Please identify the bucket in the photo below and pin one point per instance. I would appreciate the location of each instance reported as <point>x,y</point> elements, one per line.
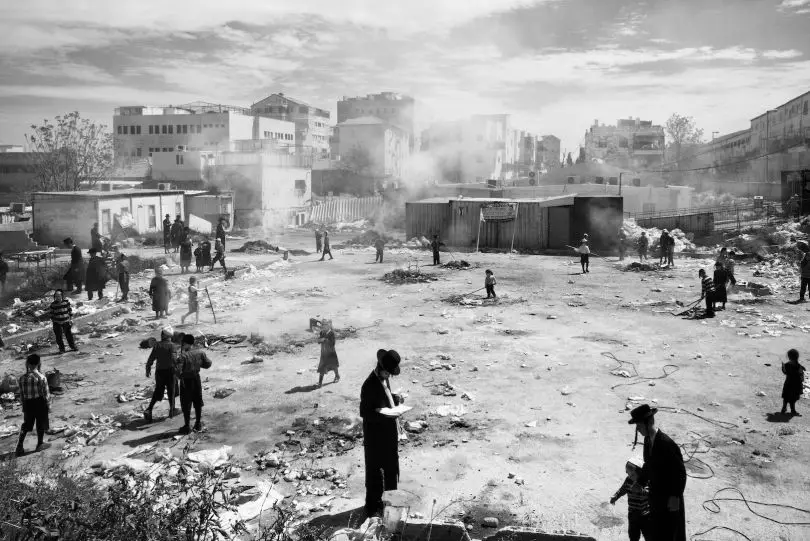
<point>397,505</point>
<point>55,381</point>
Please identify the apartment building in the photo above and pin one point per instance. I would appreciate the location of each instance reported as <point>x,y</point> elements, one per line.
<point>548,152</point>
<point>385,146</point>
<point>394,108</point>
<point>632,143</point>
<point>313,130</point>
<point>473,149</point>
<point>142,131</point>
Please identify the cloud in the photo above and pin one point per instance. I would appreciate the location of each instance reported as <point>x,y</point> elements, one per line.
<point>790,53</point>
<point>792,4</point>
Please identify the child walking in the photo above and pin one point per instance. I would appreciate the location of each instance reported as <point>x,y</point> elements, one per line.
<point>193,305</point>
<point>638,504</point>
<point>794,382</point>
<point>489,284</point>
<point>584,255</point>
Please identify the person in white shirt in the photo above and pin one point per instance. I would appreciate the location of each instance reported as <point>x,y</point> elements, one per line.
<point>584,255</point>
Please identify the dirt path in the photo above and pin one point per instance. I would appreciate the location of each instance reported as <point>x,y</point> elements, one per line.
<point>541,404</point>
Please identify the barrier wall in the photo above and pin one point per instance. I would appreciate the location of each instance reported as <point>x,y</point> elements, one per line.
<point>345,209</point>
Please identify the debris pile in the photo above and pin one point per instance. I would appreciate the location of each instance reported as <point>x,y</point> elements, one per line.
<point>254,246</point>
<point>407,276</point>
<point>458,265</point>
<point>635,266</point>
<point>781,270</point>
<point>93,431</point>
<point>683,241</point>
<point>368,238</point>
<point>418,242</point>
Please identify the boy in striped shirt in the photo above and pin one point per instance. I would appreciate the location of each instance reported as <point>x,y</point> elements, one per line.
<point>61,314</point>
<point>638,504</point>
<point>707,292</point>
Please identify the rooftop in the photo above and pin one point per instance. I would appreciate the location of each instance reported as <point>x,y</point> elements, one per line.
<point>560,199</point>
<point>96,194</point>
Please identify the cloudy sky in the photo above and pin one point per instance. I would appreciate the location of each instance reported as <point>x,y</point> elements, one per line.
<point>555,65</point>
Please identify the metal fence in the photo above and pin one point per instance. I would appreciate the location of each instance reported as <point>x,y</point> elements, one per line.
<point>709,219</point>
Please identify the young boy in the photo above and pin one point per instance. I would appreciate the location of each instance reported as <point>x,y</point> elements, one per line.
<point>638,505</point>
<point>584,255</point>
<point>643,244</point>
<point>489,283</point>
<point>123,277</point>
<point>707,292</point>
<point>35,398</point>
<point>187,367</point>
<point>193,305</point>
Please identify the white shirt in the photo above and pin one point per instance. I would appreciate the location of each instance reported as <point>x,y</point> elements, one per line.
<point>583,249</point>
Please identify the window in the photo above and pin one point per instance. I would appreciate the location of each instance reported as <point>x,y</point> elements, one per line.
<point>106,222</point>
<point>179,128</point>
<point>152,216</point>
<point>138,152</point>
<point>165,149</point>
<point>171,128</point>
<point>120,130</point>
<point>138,130</point>
<point>805,108</point>
<point>151,150</point>
<point>301,184</point>
<point>151,129</point>
<point>178,159</point>
<point>199,129</point>
<point>185,128</point>
<point>164,128</point>
<point>178,209</point>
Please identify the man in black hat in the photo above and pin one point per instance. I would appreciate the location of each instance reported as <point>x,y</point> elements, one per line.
<point>75,273</point>
<point>167,234</point>
<point>664,469</point>
<point>380,430</point>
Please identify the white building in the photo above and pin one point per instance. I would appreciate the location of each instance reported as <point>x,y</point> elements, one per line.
<point>141,131</point>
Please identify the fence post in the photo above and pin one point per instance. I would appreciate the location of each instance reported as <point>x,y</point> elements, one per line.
<point>738,216</point>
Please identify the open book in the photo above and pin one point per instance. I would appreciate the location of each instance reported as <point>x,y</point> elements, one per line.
<point>396,411</point>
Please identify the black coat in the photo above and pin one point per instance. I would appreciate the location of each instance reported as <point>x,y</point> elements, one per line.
<point>96,274</point>
<point>379,431</point>
<point>664,469</point>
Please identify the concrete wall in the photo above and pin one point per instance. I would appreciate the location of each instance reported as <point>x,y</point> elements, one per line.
<point>210,207</point>
<point>281,131</point>
<point>240,127</point>
<point>191,166</point>
<point>56,217</point>
<point>279,187</point>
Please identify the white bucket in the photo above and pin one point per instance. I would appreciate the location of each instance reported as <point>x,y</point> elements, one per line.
<point>394,518</point>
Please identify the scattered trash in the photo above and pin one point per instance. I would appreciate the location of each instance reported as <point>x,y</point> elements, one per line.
<point>223,393</point>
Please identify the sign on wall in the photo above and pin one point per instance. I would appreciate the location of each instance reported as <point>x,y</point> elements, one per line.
<point>499,212</point>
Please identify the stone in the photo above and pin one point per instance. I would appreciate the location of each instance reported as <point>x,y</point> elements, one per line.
<point>490,522</point>
<point>519,481</point>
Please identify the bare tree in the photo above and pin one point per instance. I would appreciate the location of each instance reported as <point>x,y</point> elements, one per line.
<point>682,131</point>
<point>70,151</point>
<point>358,161</point>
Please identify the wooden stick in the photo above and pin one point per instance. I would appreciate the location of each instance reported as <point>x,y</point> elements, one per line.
<point>211,303</point>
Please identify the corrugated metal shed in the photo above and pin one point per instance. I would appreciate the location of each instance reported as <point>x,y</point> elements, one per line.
<point>457,222</point>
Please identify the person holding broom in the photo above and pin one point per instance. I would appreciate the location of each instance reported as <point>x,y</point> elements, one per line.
<point>329,359</point>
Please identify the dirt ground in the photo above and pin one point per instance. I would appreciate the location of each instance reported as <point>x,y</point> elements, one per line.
<point>532,372</point>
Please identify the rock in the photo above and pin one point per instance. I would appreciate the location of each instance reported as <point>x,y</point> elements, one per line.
<point>519,481</point>
<point>531,424</point>
<point>490,522</point>
<point>510,475</point>
<point>415,427</point>
<point>551,317</point>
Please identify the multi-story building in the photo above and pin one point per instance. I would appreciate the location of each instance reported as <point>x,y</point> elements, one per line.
<point>18,177</point>
<point>141,131</point>
<point>731,147</point>
<point>526,154</point>
<point>378,148</point>
<point>396,109</point>
<point>313,130</point>
<point>548,152</point>
<point>473,149</point>
<point>632,143</point>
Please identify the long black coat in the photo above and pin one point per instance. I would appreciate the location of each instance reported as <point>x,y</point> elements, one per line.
<point>76,270</point>
<point>96,274</point>
<point>379,431</point>
<point>664,469</point>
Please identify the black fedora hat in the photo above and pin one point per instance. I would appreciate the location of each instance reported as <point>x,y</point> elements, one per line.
<point>641,414</point>
<point>389,361</point>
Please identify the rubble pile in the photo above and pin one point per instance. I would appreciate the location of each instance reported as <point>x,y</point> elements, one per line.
<point>93,431</point>
<point>368,238</point>
<point>256,246</point>
<point>457,265</point>
<point>407,276</point>
<point>418,242</point>
<point>781,270</point>
<point>293,345</point>
<point>635,266</point>
<point>683,241</point>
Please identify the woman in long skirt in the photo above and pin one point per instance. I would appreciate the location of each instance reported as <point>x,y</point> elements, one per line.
<point>794,382</point>
<point>720,280</point>
<point>329,358</point>
<point>159,291</point>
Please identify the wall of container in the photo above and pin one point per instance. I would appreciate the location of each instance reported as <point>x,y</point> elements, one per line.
<point>529,229</point>
<point>425,219</point>
<point>601,218</point>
